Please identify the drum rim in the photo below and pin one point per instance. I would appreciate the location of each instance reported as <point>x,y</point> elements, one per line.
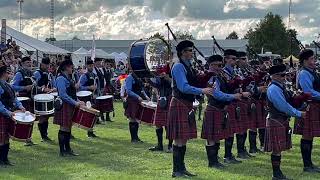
<point>109,97</point>
<point>90,110</point>
<point>89,94</point>
<point>23,98</point>
<point>145,104</point>
<point>42,100</point>
<point>20,122</point>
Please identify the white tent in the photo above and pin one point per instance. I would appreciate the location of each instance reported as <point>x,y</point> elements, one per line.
<point>101,54</point>
<point>79,56</point>
<point>120,57</point>
<point>31,44</point>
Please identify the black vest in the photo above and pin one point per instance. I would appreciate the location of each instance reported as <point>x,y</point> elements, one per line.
<point>100,77</point>
<point>107,76</point>
<point>90,79</point>
<point>137,86</point>
<point>223,88</point>
<point>165,89</point>
<point>191,78</point>
<point>8,97</point>
<point>44,80</point>
<point>71,90</point>
<point>26,76</point>
<point>316,82</point>
<point>273,112</point>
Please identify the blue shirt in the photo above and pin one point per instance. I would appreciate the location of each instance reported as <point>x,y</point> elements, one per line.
<point>229,70</point>
<point>62,85</point>
<point>221,96</point>
<point>83,81</point>
<point>305,80</point>
<point>3,110</point>
<point>276,96</point>
<point>179,75</point>
<point>128,84</point>
<point>16,82</point>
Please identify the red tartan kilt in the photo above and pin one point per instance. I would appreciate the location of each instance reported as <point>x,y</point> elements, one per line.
<point>178,124</point>
<point>133,111</point>
<point>108,89</point>
<point>161,115</point>
<point>277,137</point>
<point>309,127</point>
<point>212,127</point>
<point>261,114</point>
<point>247,117</point>
<point>64,116</point>
<point>4,129</point>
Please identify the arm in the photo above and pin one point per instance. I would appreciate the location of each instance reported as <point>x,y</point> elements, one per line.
<point>276,96</point>
<point>221,96</point>
<point>18,104</point>
<point>62,91</point>
<point>83,80</point>
<point>307,86</point>
<point>3,109</point>
<point>16,81</point>
<point>154,82</point>
<point>37,76</point>
<point>128,83</point>
<point>179,75</point>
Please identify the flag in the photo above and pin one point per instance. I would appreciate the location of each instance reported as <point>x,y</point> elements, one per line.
<point>93,49</point>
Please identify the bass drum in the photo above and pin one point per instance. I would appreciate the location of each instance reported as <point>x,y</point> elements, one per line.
<point>148,58</point>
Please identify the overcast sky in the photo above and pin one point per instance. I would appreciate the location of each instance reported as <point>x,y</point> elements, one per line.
<point>135,19</point>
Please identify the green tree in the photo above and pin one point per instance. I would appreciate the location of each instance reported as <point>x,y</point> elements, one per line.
<point>157,35</point>
<point>50,39</point>
<point>184,35</point>
<point>233,35</point>
<point>271,34</point>
<point>75,38</point>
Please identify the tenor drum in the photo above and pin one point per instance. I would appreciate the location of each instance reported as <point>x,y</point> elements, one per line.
<point>25,102</point>
<point>149,57</point>
<point>147,112</point>
<point>85,118</point>
<point>84,96</point>
<point>20,129</point>
<point>43,104</point>
<point>104,103</point>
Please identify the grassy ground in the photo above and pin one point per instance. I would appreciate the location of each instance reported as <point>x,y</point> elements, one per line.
<point>112,156</point>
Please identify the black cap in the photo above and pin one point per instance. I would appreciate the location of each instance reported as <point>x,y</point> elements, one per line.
<point>242,54</point>
<point>89,62</point>
<point>97,59</point>
<point>277,69</point>
<point>45,60</point>
<point>65,63</point>
<point>24,59</point>
<point>305,54</point>
<point>214,58</point>
<point>230,52</point>
<point>183,45</point>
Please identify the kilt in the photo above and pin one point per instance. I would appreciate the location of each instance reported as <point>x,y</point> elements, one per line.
<point>4,129</point>
<point>277,136</point>
<point>161,115</point>
<point>247,116</point>
<point>309,127</point>
<point>214,128</point>
<point>134,108</point>
<point>261,114</point>
<point>234,127</point>
<point>64,116</point>
<point>178,124</point>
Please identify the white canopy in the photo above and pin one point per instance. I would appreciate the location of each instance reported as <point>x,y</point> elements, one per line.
<point>79,56</point>
<point>81,51</point>
<point>31,44</point>
<point>101,54</point>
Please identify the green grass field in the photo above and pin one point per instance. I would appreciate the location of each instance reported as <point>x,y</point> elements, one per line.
<point>112,156</point>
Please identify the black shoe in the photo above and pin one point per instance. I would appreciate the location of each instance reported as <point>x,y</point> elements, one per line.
<point>232,160</point>
<point>217,165</point>
<point>169,150</point>
<point>46,139</point>
<point>30,143</point>
<point>8,163</point>
<point>156,148</point>
<point>188,173</point>
<point>178,174</point>
<point>71,153</point>
<point>255,151</point>
<point>282,177</point>
<point>136,141</point>
<point>92,135</point>
<point>72,137</point>
<point>244,155</point>
<point>311,169</point>
<point>98,122</point>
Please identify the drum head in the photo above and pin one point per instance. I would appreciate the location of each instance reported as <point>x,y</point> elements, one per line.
<point>84,93</point>
<point>23,118</point>
<point>43,97</point>
<point>23,98</point>
<point>104,97</point>
<point>149,104</point>
<point>54,94</point>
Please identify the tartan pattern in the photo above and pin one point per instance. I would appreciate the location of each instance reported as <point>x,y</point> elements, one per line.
<point>161,115</point>
<point>234,128</point>
<point>4,129</point>
<point>246,120</point>
<point>178,124</point>
<point>212,127</point>
<point>277,137</point>
<point>134,108</point>
<point>64,116</point>
<point>309,127</point>
<point>261,114</point>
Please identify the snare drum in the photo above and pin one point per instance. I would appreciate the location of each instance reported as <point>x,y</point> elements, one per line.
<point>84,95</point>
<point>55,94</point>
<point>43,104</point>
<point>104,103</point>
<point>148,111</point>
<point>25,102</point>
<point>85,118</point>
<point>20,129</point>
